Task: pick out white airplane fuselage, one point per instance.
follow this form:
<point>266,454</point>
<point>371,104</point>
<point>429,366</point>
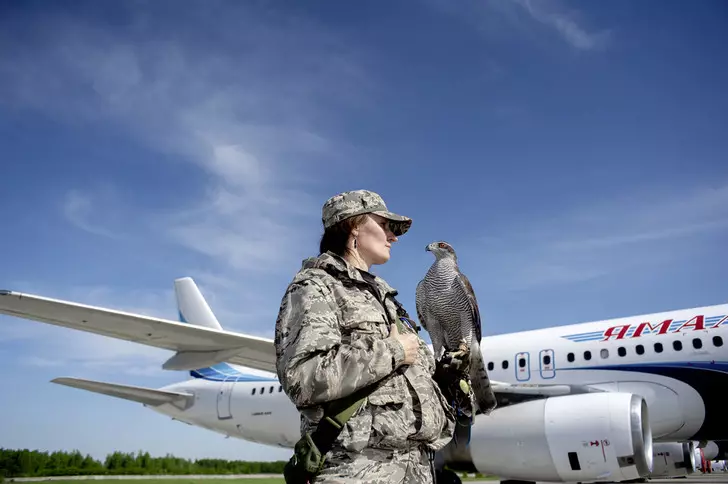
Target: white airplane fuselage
<point>679,364</point>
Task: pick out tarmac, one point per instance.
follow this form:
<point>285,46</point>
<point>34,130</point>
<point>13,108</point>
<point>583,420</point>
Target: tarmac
<point>717,477</point>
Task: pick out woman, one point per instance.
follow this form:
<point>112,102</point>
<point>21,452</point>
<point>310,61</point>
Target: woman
<point>340,331</point>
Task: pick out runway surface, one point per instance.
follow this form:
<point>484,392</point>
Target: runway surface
<point>697,478</point>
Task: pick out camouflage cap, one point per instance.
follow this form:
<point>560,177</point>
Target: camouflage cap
<point>357,202</point>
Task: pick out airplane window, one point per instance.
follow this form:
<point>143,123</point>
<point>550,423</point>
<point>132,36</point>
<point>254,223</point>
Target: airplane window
<point>677,345</point>
<point>280,388</point>
<point>587,355</point>
<point>604,353</point>
<point>262,390</point>
<point>521,362</point>
<point>270,390</point>
<point>505,364</point>
<point>697,343</point>
<point>658,347</point>
<point>253,392</point>
<point>621,351</point>
<point>490,366</point>
<point>640,349</point>
<point>717,341</point>
<point>570,357</point>
<point>547,359</point>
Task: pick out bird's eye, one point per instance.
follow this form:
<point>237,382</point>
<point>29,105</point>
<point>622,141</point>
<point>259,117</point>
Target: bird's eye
<point>442,246</point>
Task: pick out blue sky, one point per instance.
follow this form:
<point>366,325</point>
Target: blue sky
<point>574,153</point>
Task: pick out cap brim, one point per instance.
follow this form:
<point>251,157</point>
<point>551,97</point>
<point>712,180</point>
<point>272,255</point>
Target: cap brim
<point>400,223</point>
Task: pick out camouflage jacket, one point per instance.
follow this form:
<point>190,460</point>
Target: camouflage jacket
<point>331,339</point>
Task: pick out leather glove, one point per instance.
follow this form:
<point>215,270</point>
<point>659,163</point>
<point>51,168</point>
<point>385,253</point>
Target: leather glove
<point>452,376</point>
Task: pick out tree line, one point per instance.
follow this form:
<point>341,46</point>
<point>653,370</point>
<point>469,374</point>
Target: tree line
<point>34,463</point>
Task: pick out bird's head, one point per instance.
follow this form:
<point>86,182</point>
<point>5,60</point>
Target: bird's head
<point>441,249</point>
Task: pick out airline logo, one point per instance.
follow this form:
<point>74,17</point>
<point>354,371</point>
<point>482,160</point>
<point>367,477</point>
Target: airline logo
<point>668,326</point>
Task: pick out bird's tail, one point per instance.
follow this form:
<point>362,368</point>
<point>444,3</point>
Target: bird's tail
<point>480,382</point>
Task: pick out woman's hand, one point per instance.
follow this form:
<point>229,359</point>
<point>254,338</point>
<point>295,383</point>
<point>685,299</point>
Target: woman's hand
<point>410,342</point>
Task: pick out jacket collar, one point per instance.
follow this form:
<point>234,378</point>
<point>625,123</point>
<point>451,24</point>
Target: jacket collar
<point>340,268</point>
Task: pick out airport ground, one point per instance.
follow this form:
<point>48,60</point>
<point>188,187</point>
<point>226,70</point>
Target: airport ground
<point>190,479</point>
<point>698,478</point>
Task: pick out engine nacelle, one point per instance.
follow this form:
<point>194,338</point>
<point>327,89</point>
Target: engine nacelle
<point>710,450</point>
<point>601,436</point>
<point>672,459</point>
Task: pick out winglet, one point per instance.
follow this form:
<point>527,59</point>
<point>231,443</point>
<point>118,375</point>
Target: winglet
<point>193,309</point>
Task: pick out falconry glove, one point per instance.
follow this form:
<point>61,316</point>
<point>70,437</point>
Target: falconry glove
<point>452,376</point>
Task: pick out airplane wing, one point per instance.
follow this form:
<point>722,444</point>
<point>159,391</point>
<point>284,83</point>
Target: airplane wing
<point>194,346</point>
<point>511,394</point>
<point>147,396</point>
<point>197,347</point>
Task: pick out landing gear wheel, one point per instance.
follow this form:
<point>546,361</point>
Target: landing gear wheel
<point>446,476</point>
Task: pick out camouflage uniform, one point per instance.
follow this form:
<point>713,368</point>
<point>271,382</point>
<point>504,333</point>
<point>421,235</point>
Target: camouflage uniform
<point>332,339</point>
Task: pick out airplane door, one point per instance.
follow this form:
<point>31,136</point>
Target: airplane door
<point>224,397</point>
<point>523,366</point>
<point>546,364</point>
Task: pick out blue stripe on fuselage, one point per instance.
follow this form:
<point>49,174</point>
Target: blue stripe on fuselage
<point>225,372</point>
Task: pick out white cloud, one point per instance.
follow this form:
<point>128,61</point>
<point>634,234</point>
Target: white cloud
<point>565,23</point>
<point>517,19</point>
<point>253,113</point>
<point>79,209</point>
<point>655,227</point>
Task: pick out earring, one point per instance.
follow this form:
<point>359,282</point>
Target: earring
<point>355,242</point>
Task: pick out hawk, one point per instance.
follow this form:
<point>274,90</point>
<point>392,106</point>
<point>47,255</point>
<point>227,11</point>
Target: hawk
<point>448,310</point>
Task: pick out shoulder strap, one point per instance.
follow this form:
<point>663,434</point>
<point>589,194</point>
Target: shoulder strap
<point>336,414</point>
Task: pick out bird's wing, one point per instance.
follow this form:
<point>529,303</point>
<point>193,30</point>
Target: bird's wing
<point>420,304</point>
<point>463,284</point>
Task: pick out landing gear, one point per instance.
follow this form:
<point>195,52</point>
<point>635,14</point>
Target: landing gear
<point>447,476</point>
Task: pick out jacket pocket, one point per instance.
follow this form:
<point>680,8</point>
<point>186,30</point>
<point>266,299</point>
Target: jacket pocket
<point>355,434</point>
<point>390,392</point>
<point>393,417</point>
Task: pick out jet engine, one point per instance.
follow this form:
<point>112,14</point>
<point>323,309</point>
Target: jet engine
<point>710,450</point>
<point>601,436</point>
<point>673,459</point>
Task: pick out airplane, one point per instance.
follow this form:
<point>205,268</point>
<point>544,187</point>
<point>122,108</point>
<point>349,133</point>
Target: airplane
<point>616,400</point>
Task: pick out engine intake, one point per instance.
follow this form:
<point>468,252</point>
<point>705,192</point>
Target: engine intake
<point>602,436</point>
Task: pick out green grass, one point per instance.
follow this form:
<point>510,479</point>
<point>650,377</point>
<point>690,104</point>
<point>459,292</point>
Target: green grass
<point>254,480</point>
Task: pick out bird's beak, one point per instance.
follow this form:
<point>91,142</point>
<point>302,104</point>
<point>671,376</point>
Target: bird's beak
<point>427,248</point>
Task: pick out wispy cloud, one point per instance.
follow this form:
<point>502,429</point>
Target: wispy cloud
<point>79,209</point>
<point>600,239</point>
<point>255,122</point>
<point>254,117</point>
<point>519,19</point>
<point>566,23</point>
